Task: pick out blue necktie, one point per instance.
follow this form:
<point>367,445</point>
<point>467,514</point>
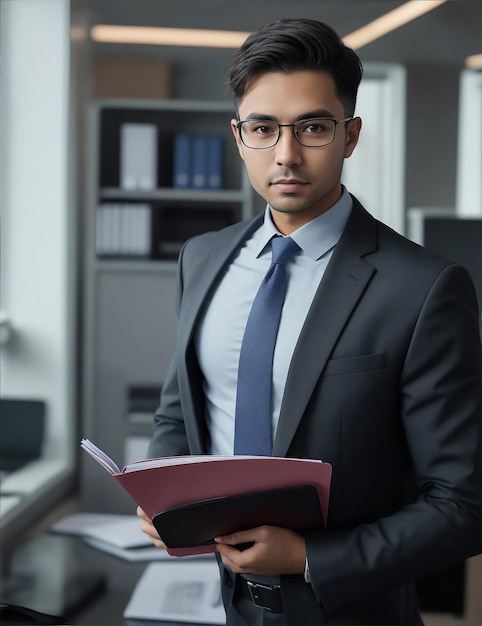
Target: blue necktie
<point>255,371</point>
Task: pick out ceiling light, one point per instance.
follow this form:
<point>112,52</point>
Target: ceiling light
<point>474,62</point>
<point>147,35</point>
<point>105,33</point>
<point>390,21</point>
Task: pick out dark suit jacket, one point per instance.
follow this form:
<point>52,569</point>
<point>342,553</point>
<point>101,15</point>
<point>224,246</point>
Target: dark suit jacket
<point>385,384</point>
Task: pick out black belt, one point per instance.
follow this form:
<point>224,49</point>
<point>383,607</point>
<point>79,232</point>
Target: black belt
<point>264,596</point>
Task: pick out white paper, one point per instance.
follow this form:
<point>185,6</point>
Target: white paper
<point>119,535</point>
<point>78,523</point>
<point>140,553</point>
<point>123,532</point>
<point>101,457</point>
<point>182,591</point>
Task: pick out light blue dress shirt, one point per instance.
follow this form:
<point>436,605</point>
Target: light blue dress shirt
<point>220,333</point>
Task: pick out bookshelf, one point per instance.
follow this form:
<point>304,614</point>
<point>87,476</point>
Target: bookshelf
<point>129,318</point>
<point>175,213</point>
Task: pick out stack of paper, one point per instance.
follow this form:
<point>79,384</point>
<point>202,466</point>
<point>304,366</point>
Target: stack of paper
<point>178,592</point>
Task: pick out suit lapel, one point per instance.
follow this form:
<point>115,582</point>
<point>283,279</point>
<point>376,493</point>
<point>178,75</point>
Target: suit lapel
<point>199,281</point>
<point>343,284</point>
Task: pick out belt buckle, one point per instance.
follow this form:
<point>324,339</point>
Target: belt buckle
<point>255,591</point>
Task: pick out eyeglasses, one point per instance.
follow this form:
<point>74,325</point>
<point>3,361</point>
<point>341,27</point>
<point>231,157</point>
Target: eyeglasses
<point>311,133</point>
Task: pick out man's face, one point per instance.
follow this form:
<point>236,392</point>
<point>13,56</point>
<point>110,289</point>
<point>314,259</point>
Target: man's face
<point>299,183</point>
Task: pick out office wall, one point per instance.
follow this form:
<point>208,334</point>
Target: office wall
<point>432,127</point>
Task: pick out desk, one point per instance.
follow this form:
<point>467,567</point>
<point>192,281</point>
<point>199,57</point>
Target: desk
<point>62,575</point>
<point>51,572</point>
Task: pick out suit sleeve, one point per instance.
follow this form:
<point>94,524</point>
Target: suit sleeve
<point>441,413</point>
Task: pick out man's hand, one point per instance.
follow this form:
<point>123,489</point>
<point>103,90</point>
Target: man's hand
<point>148,528</point>
<point>275,551</point>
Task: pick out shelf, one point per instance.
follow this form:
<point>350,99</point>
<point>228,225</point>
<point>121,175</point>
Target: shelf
<point>135,265</point>
<point>166,193</point>
<point>169,105</point>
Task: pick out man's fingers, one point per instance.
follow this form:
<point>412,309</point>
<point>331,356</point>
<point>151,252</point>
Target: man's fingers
<point>142,515</point>
<point>147,527</point>
<point>242,538</point>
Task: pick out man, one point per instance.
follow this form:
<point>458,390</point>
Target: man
<point>377,366</point>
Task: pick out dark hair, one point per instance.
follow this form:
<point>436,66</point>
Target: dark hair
<point>293,45</point>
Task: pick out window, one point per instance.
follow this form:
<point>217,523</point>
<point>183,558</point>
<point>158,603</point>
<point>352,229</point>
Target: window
<point>37,287</point>
<point>375,172</point>
<point>469,157</point>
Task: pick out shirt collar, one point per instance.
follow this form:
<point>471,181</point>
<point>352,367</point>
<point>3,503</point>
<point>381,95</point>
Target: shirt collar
<point>318,236</point>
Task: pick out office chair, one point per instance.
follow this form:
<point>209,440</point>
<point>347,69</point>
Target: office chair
<point>22,427</point>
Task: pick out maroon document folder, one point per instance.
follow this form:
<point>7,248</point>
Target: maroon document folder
<point>190,488</point>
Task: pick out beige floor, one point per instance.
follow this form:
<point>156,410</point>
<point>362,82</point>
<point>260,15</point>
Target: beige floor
<point>473,600</point>
<point>442,619</point>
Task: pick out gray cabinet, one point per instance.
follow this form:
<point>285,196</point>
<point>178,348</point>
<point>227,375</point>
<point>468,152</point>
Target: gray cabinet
<point>129,319</point>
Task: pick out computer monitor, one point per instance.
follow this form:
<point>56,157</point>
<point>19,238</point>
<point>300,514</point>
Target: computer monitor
<point>456,237</point>
<point>22,426</point>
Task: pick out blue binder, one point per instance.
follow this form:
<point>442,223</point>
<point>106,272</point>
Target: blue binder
<point>215,162</point>
<point>199,162</point>
<point>182,161</point>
